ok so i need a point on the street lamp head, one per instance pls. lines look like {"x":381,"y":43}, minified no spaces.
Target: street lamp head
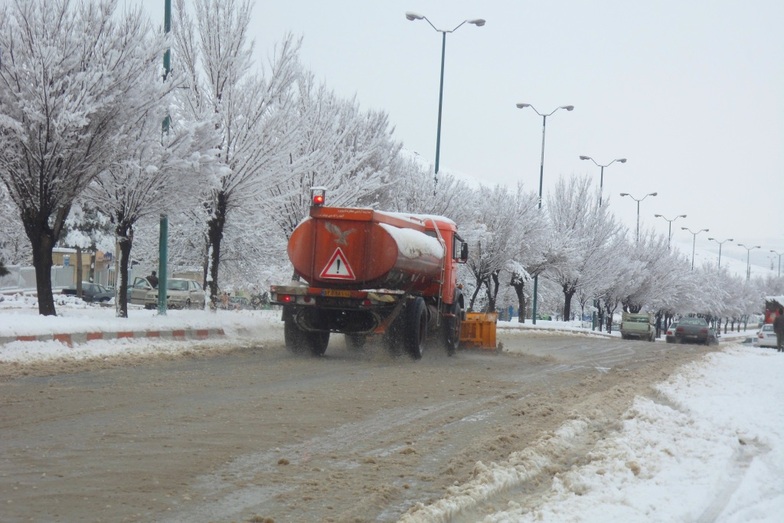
{"x":567,"y":107}
{"x":622,"y":160}
{"x":714,"y":239}
{"x":684,"y":228}
{"x":522,"y":106}
{"x":413,"y":16}
{"x":652,"y":194}
{"x":586,"y":158}
{"x":658,"y":216}
{"x":681,"y":216}
{"x":479,"y":22}
{"x":624,"y":194}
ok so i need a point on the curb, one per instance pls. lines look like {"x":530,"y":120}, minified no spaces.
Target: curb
{"x":82,"y":337}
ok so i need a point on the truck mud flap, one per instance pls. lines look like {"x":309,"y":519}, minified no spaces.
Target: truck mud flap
{"x":389,"y":320}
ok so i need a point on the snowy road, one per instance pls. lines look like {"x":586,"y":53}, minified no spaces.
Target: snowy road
{"x":257,"y":433}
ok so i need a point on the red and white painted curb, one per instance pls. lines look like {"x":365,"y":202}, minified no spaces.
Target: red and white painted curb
{"x":75,"y":338}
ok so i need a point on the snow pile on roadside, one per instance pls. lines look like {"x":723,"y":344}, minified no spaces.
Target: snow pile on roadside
{"x":19,"y":317}
{"x":709,"y":447}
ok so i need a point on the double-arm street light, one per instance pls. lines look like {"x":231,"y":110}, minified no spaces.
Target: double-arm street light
{"x":601,"y":176}
{"x":638,"y":200}
{"x":720,"y":244}
{"x":748,"y":258}
{"x":669,"y":226}
{"x":779,"y":255}
{"x":541,"y":179}
{"x":693,"y":242}
{"x":479,"y":22}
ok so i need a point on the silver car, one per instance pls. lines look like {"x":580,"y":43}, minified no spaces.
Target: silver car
{"x":181,"y":293}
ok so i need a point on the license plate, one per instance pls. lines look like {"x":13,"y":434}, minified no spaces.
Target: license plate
{"x":332,"y":293}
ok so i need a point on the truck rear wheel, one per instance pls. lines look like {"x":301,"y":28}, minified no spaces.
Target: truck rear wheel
{"x":355,"y":342}
{"x":416,"y":328}
{"x":293,"y":336}
{"x":317,"y":342}
{"x":299,"y":341}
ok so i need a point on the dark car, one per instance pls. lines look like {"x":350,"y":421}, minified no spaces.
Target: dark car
{"x":91,"y":292}
{"x":695,"y":330}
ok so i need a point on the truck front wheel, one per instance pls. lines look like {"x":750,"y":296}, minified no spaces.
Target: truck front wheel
{"x":452,"y":326}
{"x":416,"y":328}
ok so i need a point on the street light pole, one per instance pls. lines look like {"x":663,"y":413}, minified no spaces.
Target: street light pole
{"x":601,"y":176}
{"x":748,"y":258}
{"x":720,"y":244}
{"x":779,"y":255}
{"x":693,"y":242}
{"x":479,"y":22}
{"x":638,"y":208}
{"x":541,"y":179}
{"x":669,"y":226}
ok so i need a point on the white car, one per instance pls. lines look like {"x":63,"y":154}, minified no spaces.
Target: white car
{"x":766,"y":337}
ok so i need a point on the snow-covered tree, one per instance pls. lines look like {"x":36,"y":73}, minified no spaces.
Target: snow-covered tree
{"x":349,"y":152}
{"x":648,"y":255}
{"x":497,"y":235}
{"x":14,"y":245}
{"x":584,"y":231}
{"x":161,"y":173}
{"x":69,"y":80}
{"x":248,"y":109}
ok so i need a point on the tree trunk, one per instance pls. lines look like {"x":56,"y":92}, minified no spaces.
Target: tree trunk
{"x":125,"y":240}
{"x":79,"y":275}
{"x":214,"y":236}
{"x":610,"y":312}
{"x":568,"y":293}
{"x":492,"y":291}
{"x":518,"y":286}
{"x":475,"y":294}
{"x":42,"y":244}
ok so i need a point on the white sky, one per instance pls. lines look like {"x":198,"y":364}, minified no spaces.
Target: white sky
{"x":692,"y":93}
{"x":708,"y":447}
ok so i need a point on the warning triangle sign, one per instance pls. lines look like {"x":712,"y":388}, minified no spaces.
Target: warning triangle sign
{"x":337,"y":267}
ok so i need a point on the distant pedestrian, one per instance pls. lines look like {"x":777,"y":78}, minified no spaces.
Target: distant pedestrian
{"x":153,"y":279}
{"x":778,"y":328}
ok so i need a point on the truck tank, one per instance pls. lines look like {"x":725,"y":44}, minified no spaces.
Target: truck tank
{"x":353,"y":248}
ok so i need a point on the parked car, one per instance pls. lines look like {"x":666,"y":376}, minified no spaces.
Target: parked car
{"x":91,"y":292}
{"x":137,"y":291}
{"x":638,"y":326}
{"x":669,"y":336}
{"x":766,"y":337}
{"x":695,"y":330}
{"x":181,"y":293}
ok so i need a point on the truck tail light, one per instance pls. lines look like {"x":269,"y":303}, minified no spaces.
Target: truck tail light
{"x":285,"y":298}
{"x":318,"y":196}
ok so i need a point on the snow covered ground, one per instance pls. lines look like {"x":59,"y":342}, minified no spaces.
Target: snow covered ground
{"x":709,"y":447}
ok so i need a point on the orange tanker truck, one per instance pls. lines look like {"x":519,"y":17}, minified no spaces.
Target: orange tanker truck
{"x":362,"y":272}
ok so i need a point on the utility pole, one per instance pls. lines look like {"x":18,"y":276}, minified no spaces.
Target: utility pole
{"x":163,"y":240}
